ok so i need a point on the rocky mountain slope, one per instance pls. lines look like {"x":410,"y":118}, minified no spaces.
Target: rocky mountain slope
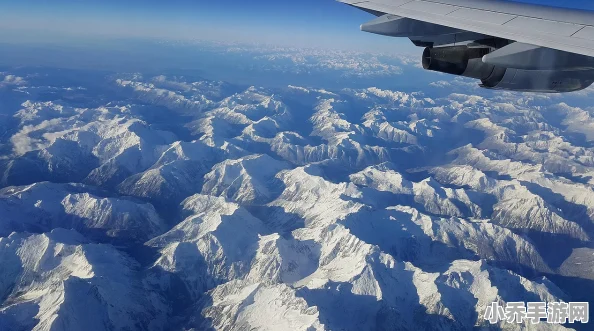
{"x":290,"y":209}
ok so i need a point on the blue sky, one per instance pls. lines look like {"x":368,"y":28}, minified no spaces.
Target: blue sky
{"x":300,"y":23}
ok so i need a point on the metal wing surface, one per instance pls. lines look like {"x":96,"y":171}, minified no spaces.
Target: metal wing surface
{"x":557,"y":28}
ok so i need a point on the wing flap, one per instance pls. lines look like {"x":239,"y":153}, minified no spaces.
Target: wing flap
{"x":432,"y":7}
{"x":563,"y":34}
{"x":523,"y":9}
{"x":585,"y":33}
{"x":482,"y":16}
{"x":543,"y":26}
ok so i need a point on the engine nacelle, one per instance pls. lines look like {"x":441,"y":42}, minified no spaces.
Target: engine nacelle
{"x":461,"y":61}
{"x":546,"y":81}
{"x":468,"y":62}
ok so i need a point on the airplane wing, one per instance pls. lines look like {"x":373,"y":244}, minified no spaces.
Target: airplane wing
{"x":556,"y":28}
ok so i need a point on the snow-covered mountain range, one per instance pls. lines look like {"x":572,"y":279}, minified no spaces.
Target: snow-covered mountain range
{"x":193,"y":204}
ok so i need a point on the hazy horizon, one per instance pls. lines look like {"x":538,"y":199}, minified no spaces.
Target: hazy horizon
{"x":309,"y":23}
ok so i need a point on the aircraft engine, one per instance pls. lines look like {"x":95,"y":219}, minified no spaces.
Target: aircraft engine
{"x":547,"y":81}
{"x":468,"y":62}
{"x":461,"y":61}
